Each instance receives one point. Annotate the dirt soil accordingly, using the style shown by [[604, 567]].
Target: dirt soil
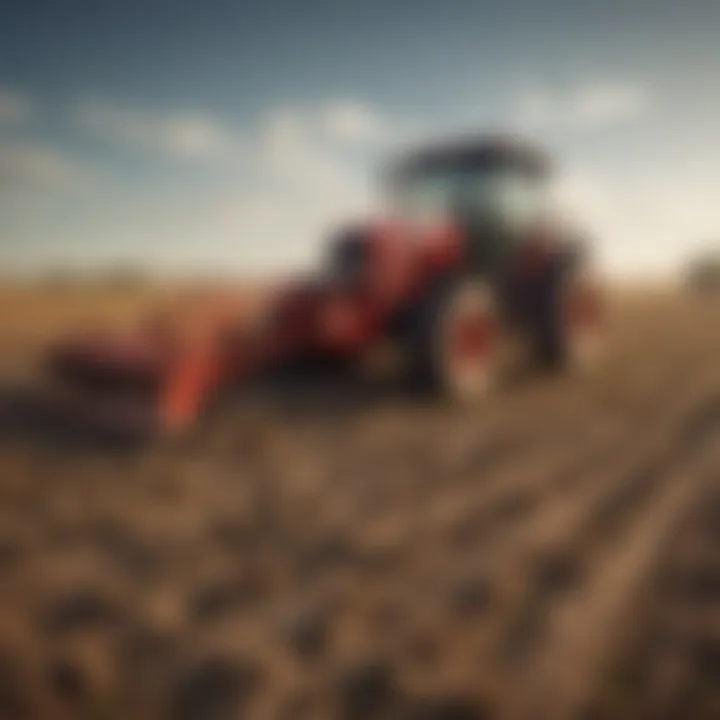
[[331, 550]]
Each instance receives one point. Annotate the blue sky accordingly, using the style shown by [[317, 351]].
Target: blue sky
[[230, 136]]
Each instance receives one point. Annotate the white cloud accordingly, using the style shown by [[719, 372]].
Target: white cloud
[[15, 108], [303, 187], [535, 108], [609, 102], [186, 135], [301, 175], [589, 104], [351, 124], [28, 166], [353, 121], [295, 149]]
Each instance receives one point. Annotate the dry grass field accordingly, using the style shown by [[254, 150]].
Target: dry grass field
[[341, 552]]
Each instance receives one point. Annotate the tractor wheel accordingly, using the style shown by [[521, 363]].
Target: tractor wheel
[[453, 343], [569, 332]]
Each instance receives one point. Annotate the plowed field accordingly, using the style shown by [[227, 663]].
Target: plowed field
[[328, 551]]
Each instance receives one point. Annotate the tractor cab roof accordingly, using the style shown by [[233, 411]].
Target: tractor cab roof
[[475, 152]]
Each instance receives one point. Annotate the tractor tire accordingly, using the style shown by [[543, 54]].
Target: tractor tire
[[452, 343], [568, 332]]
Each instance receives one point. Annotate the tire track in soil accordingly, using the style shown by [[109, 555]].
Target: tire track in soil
[[630, 486], [669, 664], [560, 672]]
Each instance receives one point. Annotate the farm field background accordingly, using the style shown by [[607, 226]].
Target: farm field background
[[332, 551]]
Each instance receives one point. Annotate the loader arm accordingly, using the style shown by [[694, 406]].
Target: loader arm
[[192, 379]]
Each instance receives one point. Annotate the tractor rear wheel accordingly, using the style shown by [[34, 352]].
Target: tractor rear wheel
[[569, 331], [453, 341]]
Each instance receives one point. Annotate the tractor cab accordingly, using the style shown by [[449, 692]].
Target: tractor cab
[[494, 189]]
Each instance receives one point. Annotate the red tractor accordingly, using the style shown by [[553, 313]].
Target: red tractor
[[467, 259]]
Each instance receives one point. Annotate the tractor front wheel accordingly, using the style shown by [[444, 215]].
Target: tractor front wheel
[[453, 348]]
